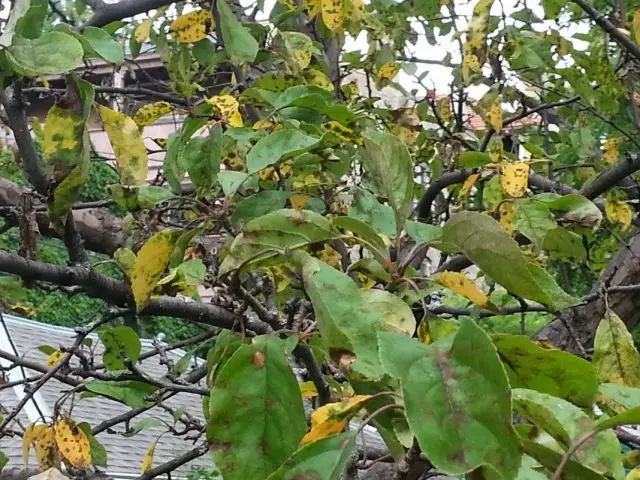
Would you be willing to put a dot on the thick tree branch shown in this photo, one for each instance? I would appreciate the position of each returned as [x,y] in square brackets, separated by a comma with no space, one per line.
[147,92]
[117,292]
[106,13]
[611,177]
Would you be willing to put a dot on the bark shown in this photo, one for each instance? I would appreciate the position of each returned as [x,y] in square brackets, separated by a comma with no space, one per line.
[101,231]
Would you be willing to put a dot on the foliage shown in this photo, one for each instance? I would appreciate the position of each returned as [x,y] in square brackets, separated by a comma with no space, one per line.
[308,206]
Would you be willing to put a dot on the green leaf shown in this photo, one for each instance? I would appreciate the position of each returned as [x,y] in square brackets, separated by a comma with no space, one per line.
[201,157]
[277,231]
[615,357]
[32,23]
[217,356]
[364,231]
[347,322]
[368,210]
[119,344]
[238,42]
[143,425]
[324,459]
[177,257]
[101,44]
[567,423]
[173,166]
[3,461]
[458,404]
[473,159]
[551,459]
[46,349]
[193,271]
[534,220]
[398,353]
[422,233]
[630,417]
[397,314]
[19,9]
[66,148]
[486,244]
[279,145]
[131,392]
[255,399]
[99,455]
[617,398]
[149,195]
[297,48]
[574,208]
[389,161]
[126,140]
[564,244]
[547,370]
[259,204]
[52,53]
[231,181]
[312,98]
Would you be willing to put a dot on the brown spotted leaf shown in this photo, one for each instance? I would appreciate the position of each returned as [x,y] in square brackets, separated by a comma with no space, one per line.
[72,444]
[192,27]
[152,112]
[615,356]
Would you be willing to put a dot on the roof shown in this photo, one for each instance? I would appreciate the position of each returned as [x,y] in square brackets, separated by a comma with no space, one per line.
[124,454]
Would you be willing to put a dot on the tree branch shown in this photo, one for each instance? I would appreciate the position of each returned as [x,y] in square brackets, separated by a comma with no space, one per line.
[175,463]
[106,13]
[304,353]
[118,90]
[611,177]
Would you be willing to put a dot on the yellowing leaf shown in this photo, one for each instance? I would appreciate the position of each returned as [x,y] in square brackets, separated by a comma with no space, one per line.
[129,149]
[618,212]
[299,200]
[308,390]
[388,70]
[615,357]
[229,108]
[317,78]
[59,131]
[329,256]
[297,50]
[635,473]
[152,112]
[126,259]
[495,116]
[444,109]
[354,9]
[54,358]
[507,212]
[515,178]
[468,185]
[636,25]
[459,283]
[42,437]
[333,418]
[73,444]
[610,150]
[151,262]
[474,49]
[192,27]
[313,7]
[147,461]
[289,3]
[332,13]
[143,30]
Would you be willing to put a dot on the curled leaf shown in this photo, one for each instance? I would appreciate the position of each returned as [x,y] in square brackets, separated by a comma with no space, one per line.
[334,417]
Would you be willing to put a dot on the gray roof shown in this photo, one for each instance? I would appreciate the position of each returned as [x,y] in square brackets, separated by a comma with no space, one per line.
[124,454]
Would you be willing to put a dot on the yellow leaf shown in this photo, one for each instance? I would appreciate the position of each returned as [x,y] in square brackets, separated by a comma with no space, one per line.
[299,200]
[192,27]
[495,116]
[73,444]
[636,25]
[635,473]
[60,131]
[507,213]
[308,390]
[129,149]
[610,150]
[333,13]
[313,7]
[631,459]
[432,329]
[229,108]
[126,259]
[147,461]
[54,358]
[388,70]
[27,440]
[317,78]
[162,142]
[350,89]
[262,125]
[148,114]
[618,212]
[468,185]
[474,49]
[459,283]
[297,50]
[289,3]
[151,262]
[142,31]
[354,9]
[333,418]
[41,436]
[444,109]
[515,178]
[329,256]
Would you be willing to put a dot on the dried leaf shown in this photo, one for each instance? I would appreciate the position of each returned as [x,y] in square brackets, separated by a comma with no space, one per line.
[192,27]
[515,178]
[73,444]
[618,212]
[229,108]
[459,283]
[334,417]
[152,112]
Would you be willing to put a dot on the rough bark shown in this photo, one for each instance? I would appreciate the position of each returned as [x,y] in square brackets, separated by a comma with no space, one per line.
[101,231]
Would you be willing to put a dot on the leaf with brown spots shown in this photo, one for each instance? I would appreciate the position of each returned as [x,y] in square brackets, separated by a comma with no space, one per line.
[334,417]
[457,399]
[618,212]
[192,27]
[567,423]
[320,460]
[54,358]
[152,112]
[333,13]
[615,356]
[256,417]
[72,444]
[515,178]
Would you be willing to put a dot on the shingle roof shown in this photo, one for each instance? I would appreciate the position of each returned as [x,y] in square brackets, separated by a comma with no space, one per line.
[124,454]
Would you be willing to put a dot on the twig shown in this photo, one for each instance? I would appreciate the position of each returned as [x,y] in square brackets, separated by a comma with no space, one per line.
[175,463]
[304,353]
